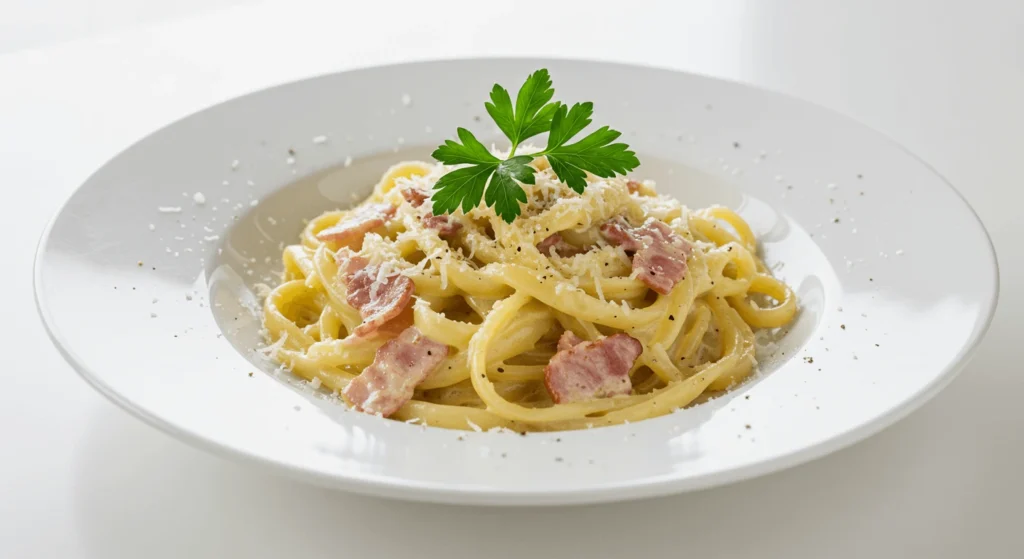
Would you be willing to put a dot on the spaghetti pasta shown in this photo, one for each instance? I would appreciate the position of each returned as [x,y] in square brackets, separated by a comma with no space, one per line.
[483,289]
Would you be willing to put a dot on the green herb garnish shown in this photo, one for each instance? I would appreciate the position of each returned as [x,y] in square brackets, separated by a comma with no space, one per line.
[498,181]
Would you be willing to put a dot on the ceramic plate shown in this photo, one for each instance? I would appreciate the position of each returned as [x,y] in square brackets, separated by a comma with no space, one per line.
[145,278]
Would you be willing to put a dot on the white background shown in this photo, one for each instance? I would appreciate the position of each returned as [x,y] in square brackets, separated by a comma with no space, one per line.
[80,478]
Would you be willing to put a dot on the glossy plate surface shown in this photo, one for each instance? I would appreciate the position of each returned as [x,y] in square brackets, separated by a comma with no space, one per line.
[149,293]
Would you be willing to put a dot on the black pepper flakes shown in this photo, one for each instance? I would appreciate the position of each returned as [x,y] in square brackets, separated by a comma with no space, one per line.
[808,359]
[670,317]
[736,145]
[842,326]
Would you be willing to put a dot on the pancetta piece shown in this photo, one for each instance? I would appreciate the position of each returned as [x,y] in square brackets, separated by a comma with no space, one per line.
[357,224]
[398,366]
[378,299]
[443,224]
[415,196]
[582,371]
[569,340]
[660,253]
[559,245]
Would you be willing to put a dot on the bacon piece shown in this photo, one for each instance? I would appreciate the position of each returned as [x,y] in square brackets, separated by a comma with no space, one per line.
[561,247]
[569,340]
[398,366]
[663,264]
[633,186]
[660,252]
[444,224]
[395,326]
[357,224]
[415,196]
[377,302]
[620,233]
[590,370]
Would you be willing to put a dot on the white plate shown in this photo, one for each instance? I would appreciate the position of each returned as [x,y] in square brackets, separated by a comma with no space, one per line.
[896,277]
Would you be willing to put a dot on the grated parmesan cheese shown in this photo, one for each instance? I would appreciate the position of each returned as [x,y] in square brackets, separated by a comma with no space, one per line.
[596,274]
[272,349]
[262,290]
[444,270]
[385,270]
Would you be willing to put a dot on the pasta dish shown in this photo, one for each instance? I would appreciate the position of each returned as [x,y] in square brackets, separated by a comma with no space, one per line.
[593,309]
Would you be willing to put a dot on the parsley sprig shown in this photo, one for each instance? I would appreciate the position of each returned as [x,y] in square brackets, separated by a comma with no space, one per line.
[497,181]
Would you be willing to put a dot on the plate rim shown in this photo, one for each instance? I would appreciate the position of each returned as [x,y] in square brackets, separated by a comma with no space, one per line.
[440,492]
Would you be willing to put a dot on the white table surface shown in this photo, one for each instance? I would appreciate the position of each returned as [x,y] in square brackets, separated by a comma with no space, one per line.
[81,478]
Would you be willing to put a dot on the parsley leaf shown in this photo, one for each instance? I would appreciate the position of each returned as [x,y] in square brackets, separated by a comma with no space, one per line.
[566,123]
[470,151]
[504,193]
[534,113]
[462,187]
[595,153]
